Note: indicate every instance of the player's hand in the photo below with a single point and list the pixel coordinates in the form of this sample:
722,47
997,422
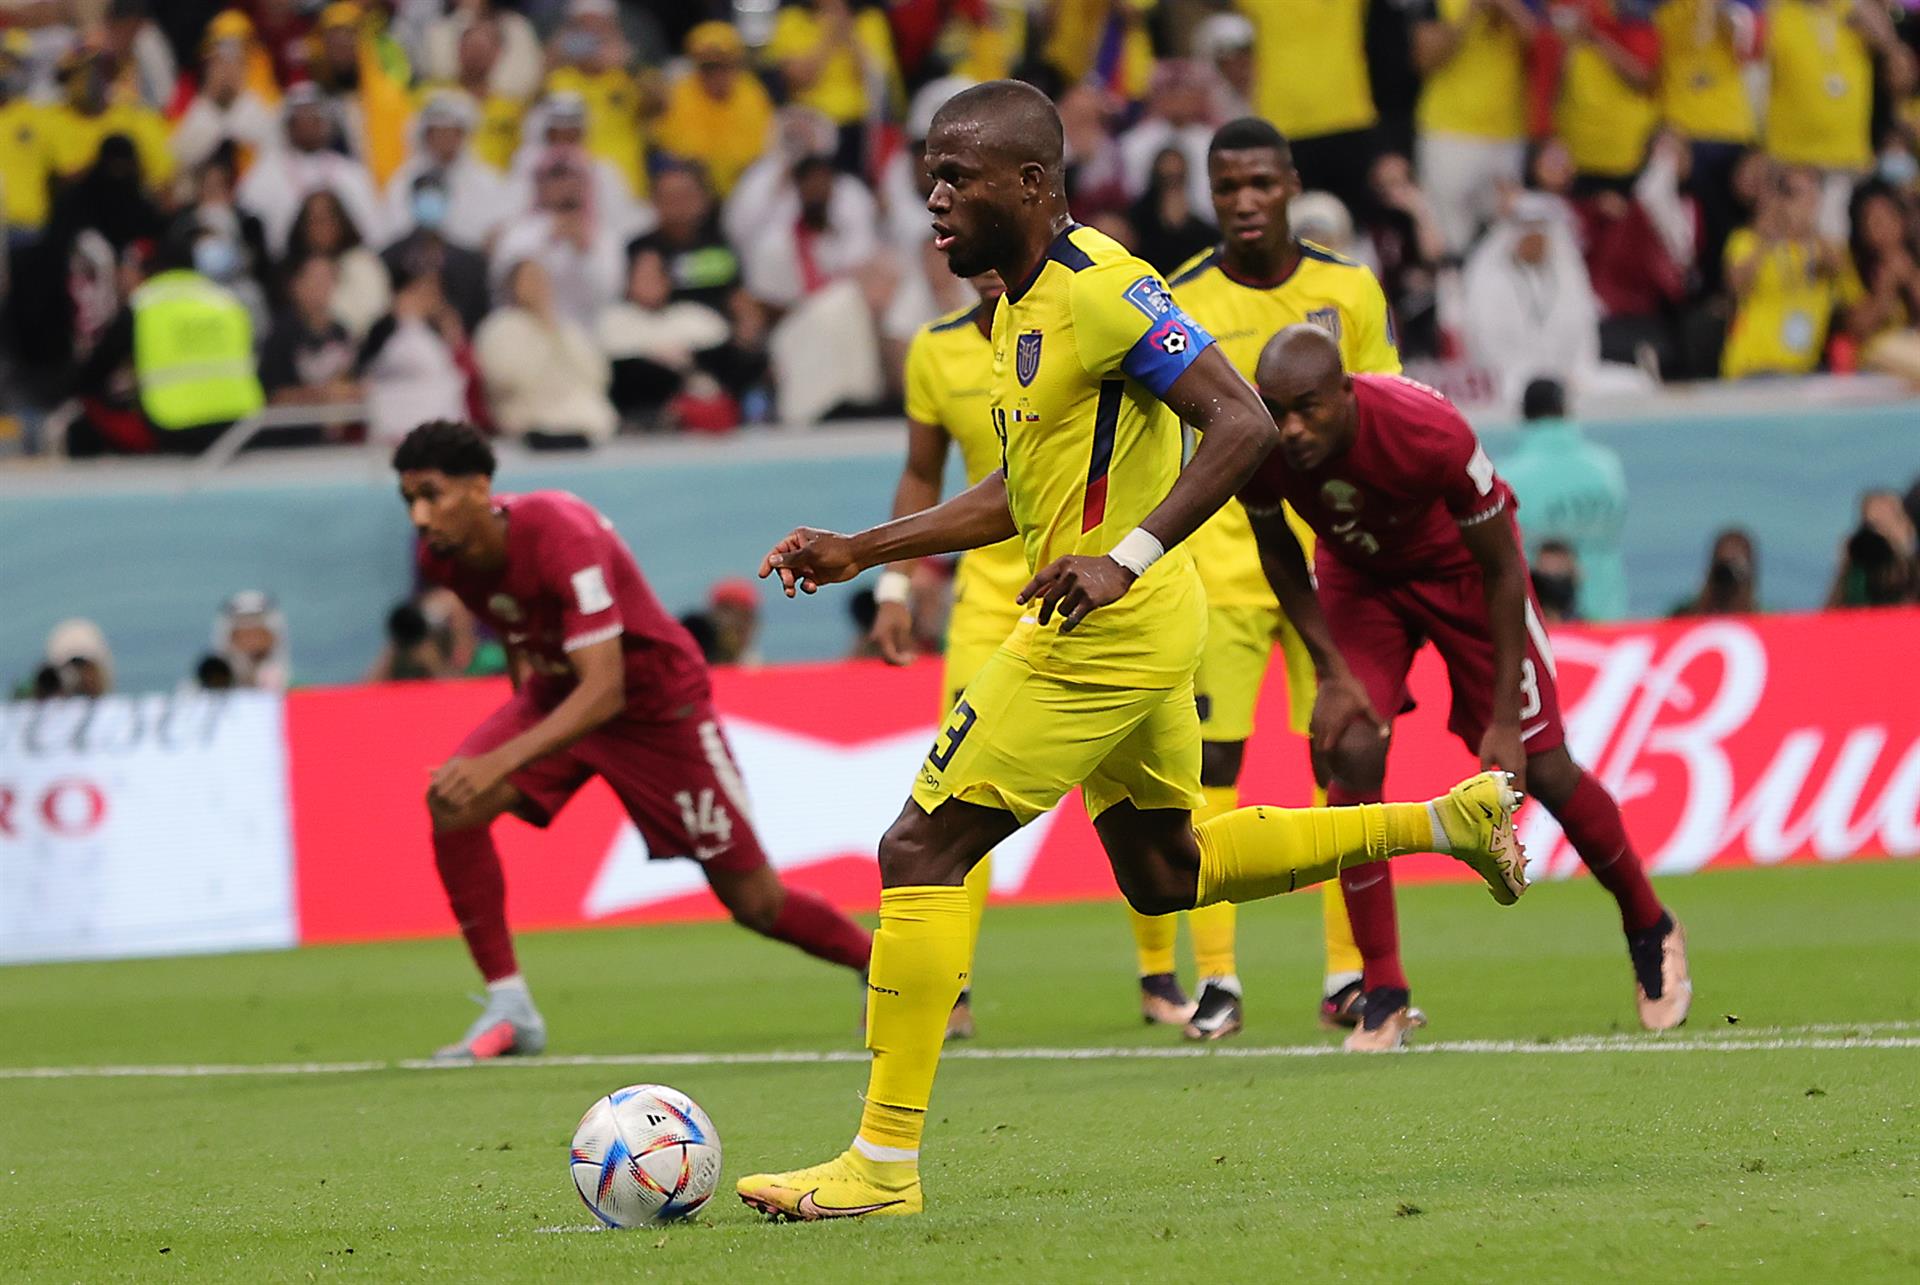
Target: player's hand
1339,702
1075,585
1501,748
459,781
892,633
809,558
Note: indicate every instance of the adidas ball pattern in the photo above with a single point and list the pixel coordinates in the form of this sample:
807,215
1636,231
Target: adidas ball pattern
644,1154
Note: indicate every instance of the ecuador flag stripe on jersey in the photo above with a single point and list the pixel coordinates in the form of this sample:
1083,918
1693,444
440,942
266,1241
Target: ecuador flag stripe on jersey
1106,418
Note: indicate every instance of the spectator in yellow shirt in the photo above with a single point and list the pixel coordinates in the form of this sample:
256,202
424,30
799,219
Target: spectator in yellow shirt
589,58
1706,47
25,168
364,76
1471,121
718,114
1311,81
836,56
1820,90
1787,282
87,114
496,128
1606,110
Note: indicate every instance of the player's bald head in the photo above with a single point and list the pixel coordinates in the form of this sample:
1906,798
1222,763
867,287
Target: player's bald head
1296,360
1008,121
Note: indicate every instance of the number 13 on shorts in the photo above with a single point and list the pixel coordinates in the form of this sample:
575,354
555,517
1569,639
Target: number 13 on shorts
947,743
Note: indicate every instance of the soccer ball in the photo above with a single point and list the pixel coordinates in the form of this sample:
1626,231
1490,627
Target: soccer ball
644,1154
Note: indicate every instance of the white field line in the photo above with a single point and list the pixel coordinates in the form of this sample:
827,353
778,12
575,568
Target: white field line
1819,1037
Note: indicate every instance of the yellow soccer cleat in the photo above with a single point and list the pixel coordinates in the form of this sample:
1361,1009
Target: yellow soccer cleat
1477,816
848,1186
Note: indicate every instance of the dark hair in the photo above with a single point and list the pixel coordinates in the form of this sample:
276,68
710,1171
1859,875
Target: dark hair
448,446
213,673
1555,546
299,240
705,636
1248,134
1544,399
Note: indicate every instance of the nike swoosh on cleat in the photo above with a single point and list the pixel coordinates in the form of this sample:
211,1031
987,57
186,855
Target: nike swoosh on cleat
808,1207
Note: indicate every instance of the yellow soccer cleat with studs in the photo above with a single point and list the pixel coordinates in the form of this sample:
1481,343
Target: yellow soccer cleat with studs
1476,817
848,1186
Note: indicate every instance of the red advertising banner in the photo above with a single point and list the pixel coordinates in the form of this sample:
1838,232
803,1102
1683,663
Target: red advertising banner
1748,741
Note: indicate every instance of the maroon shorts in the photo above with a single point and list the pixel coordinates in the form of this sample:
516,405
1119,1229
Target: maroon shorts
677,780
1378,628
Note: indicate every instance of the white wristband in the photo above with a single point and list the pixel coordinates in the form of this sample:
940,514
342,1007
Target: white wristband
894,586
1138,549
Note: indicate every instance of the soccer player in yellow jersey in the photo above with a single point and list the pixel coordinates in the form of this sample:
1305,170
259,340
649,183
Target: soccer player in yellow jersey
1094,368
949,375
1257,281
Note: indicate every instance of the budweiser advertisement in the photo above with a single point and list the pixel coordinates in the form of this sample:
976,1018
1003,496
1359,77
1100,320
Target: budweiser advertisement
151,825
1749,741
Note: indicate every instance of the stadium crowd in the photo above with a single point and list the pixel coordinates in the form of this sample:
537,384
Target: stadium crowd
571,218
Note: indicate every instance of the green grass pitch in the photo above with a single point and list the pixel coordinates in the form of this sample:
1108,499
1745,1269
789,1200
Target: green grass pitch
1783,1147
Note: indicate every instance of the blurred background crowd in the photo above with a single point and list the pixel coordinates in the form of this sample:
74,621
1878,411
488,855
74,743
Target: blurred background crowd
568,219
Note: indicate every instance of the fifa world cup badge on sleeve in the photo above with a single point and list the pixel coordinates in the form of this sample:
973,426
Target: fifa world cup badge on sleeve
1026,356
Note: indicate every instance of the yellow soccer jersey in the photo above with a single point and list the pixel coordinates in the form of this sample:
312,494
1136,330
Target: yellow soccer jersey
1334,293
949,381
1082,353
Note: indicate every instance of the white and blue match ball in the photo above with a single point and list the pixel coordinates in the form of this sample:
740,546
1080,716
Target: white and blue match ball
645,1154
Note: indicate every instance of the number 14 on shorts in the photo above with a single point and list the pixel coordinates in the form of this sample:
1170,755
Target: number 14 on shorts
706,822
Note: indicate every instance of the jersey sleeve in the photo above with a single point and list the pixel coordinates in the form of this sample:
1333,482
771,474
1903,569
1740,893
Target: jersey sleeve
576,566
923,380
1125,319
1470,488
1372,347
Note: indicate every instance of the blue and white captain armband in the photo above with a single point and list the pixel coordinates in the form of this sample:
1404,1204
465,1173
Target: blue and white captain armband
1138,549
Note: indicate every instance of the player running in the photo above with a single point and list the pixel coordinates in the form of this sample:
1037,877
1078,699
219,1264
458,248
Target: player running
605,684
1257,280
1417,541
949,376
1094,368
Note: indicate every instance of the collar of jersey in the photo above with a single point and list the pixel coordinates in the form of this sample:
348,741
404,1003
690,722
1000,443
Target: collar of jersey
1052,255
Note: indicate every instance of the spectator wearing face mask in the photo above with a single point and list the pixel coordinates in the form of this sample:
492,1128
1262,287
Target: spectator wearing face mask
250,634
1571,491
462,272
443,184
189,343
1878,564
1555,571
1731,586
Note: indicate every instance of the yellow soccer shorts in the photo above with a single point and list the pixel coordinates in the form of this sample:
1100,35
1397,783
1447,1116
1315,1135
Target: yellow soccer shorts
973,635
1233,668
1018,740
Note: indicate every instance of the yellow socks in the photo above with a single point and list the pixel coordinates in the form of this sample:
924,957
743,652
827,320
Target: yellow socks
1212,927
1153,941
919,965
1262,852
978,884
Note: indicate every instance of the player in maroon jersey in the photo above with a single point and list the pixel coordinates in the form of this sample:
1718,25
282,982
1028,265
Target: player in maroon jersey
605,684
1417,542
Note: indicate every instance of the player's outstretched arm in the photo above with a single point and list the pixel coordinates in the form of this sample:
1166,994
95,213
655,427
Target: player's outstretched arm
1339,699
809,557
919,490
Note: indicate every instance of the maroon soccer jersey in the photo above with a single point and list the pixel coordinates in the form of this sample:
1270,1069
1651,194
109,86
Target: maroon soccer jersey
1393,504
570,581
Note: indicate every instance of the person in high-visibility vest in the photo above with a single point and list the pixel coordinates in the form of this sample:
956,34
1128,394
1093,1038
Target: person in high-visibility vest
190,342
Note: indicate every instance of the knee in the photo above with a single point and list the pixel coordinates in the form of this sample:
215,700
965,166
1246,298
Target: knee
1359,761
905,854
1154,899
